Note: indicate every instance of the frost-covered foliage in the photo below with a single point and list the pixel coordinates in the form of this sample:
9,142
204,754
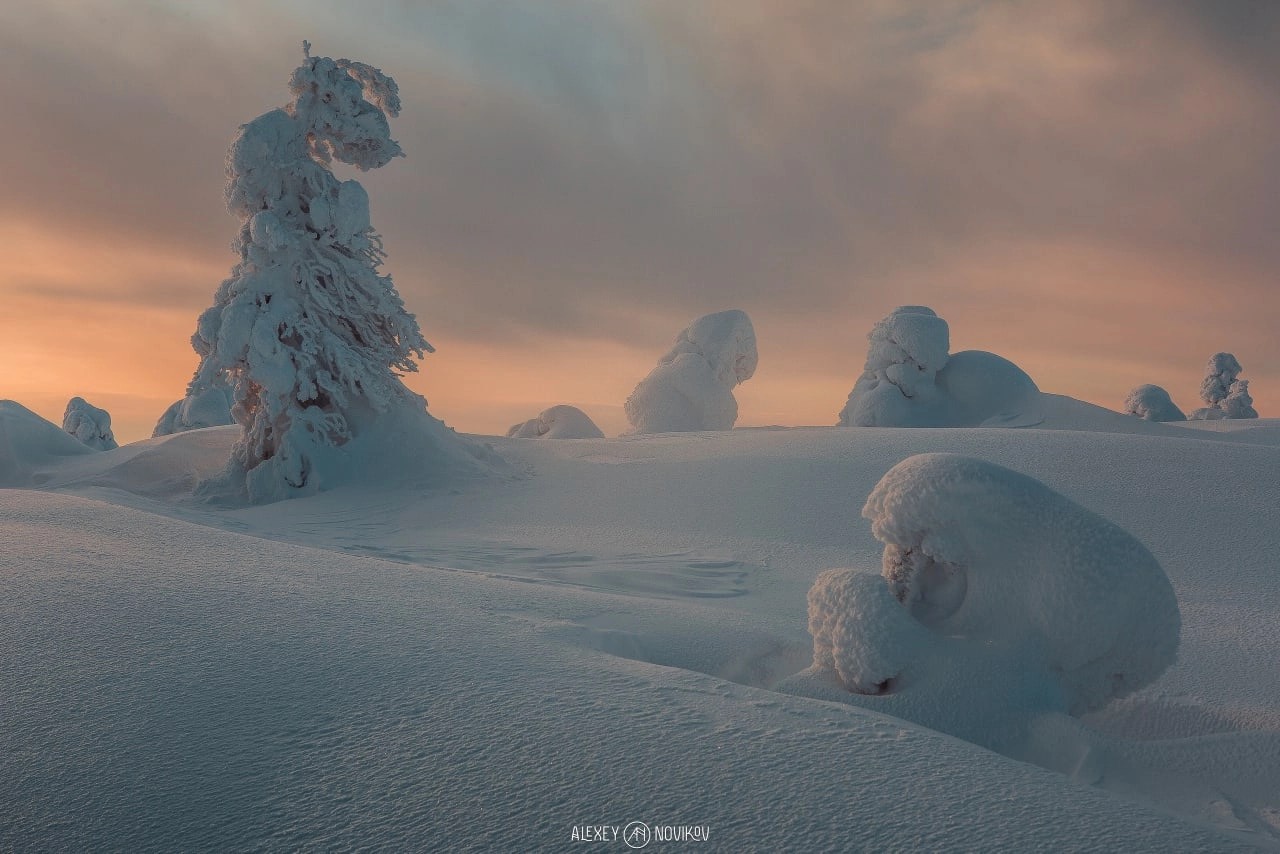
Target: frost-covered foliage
692,386
861,632
1225,395
558,422
911,380
89,424
209,406
1152,403
977,552
308,334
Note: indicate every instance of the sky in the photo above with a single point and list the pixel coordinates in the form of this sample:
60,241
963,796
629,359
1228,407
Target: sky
1090,189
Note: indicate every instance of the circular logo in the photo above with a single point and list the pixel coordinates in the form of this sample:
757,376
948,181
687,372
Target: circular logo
636,834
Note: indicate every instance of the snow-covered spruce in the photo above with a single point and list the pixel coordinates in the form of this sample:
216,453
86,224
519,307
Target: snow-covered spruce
558,422
205,405
1152,403
1224,395
981,553
89,424
692,386
911,380
307,333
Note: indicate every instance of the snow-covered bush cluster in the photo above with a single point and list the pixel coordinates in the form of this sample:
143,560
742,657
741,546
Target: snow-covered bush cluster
910,378
558,422
306,333
1152,403
1223,393
982,555
692,386
89,424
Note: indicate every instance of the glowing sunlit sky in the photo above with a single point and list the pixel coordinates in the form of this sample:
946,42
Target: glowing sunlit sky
1091,189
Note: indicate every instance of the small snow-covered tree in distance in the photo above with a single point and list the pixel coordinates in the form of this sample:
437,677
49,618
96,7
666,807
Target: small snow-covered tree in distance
1225,395
309,335
89,424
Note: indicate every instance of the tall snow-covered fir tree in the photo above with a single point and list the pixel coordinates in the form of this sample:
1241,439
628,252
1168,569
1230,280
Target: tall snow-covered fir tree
309,335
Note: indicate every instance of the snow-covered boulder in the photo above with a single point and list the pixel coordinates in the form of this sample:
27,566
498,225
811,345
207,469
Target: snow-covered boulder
1152,403
985,554
89,424
558,422
205,407
29,442
911,380
692,386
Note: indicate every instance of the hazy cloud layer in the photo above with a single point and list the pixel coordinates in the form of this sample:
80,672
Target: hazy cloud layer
1088,188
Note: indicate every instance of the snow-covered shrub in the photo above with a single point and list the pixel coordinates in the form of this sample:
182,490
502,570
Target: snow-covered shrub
860,631
692,386
1152,403
977,552
558,422
1224,395
209,406
911,380
89,424
309,336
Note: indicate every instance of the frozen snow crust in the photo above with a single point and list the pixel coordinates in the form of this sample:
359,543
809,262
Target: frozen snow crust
692,386
621,635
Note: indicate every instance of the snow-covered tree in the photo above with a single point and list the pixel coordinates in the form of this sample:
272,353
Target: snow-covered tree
1152,403
1224,395
89,424
203,406
692,386
309,335
557,422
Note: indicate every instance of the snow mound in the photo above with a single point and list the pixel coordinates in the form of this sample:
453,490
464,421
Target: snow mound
910,380
89,424
29,442
977,551
208,406
860,631
558,422
1152,403
692,386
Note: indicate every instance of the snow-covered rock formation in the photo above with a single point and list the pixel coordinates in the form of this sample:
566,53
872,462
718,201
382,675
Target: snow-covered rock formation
558,422
911,380
1152,403
89,424
692,386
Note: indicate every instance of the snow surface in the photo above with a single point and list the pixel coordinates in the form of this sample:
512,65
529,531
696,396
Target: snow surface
557,422
89,424
619,635
692,386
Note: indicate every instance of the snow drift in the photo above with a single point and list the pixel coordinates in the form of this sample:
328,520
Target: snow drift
89,424
558,422
911,380
980,552
1152,403
692,386
28,442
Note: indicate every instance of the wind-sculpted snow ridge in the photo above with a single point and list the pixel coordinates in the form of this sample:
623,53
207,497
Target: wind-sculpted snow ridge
89,424
999,602
29,442
910,379
311,339
1224,395
558,422
692,386
1152,403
